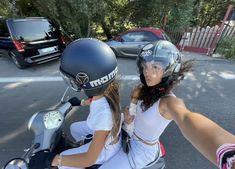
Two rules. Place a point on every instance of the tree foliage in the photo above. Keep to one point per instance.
(8, 8)
(153, 12)
(92, 18)
(79, 18)
(210, 12)
(226, 47)
(73, 16)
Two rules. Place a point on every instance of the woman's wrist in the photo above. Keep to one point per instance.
(59, 160)
(134, 100)
(85, 102)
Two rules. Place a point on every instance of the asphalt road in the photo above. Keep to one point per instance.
(209, 89)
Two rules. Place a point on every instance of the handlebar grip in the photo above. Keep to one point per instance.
(74, 101)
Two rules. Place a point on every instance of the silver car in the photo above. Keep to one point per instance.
(129, 43)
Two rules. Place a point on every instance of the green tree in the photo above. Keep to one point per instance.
(73, 16)
(153, 13)
(8, 8)
(80, 18)
(113, 17)
(209, 12)
(180, 14)
(92, 18)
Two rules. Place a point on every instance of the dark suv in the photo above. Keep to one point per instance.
(30, 40)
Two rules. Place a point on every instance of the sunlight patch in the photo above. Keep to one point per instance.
(226, 75)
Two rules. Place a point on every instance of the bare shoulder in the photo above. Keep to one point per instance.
(172, 100)
(172, 105)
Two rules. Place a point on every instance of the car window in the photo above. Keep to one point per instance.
(139, 36)
(149, 37)
(130, 37)
(35, 30)
(3, 29)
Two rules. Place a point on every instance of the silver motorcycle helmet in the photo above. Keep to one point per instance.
(163, 53)
(88, 64)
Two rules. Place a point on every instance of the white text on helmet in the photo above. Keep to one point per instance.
(104, 79)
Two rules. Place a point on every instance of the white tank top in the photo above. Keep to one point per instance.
(150, 124)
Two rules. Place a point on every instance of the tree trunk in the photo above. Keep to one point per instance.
(106, 29)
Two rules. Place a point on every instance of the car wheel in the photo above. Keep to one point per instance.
(18, 61)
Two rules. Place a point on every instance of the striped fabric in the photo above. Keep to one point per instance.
(225, 156)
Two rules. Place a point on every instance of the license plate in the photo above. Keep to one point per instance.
(50, 49)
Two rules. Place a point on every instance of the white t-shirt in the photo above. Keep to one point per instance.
(100, 117)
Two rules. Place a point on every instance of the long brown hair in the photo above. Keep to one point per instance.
(150, 95)
(113, 98)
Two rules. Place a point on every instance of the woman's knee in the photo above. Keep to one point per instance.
(78, 129)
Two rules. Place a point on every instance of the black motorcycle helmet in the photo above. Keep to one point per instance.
(165, 53)
(88, 64)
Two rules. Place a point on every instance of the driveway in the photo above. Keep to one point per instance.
(209, 89)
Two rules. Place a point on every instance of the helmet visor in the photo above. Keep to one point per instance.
(163, 53)
(70, 81)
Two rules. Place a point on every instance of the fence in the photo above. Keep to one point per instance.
(229, 29)
(199, 39)
(204, 40)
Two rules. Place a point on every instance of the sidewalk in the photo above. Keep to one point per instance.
(200, 56)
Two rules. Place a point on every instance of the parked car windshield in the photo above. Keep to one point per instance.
(34, 30)
(139, 36)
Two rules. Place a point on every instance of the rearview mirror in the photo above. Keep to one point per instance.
(16, 163)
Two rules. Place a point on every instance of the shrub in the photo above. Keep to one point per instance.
(226, 47)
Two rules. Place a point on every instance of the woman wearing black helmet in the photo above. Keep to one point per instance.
(90, 65)
(160, 68)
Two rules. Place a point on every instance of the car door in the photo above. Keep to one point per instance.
(5, 39)
(132, 42)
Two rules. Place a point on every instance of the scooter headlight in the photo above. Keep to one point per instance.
(53, 119)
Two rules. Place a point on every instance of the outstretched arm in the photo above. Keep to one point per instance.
(204, 134)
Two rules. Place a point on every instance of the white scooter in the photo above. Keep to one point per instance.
(50, 139)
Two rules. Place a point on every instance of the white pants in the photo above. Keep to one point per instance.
(78, 131)
(81, 149)
(139, 156)
(118, 161)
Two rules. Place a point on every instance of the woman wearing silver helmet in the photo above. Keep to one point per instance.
(90, 65)
(155, 106)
